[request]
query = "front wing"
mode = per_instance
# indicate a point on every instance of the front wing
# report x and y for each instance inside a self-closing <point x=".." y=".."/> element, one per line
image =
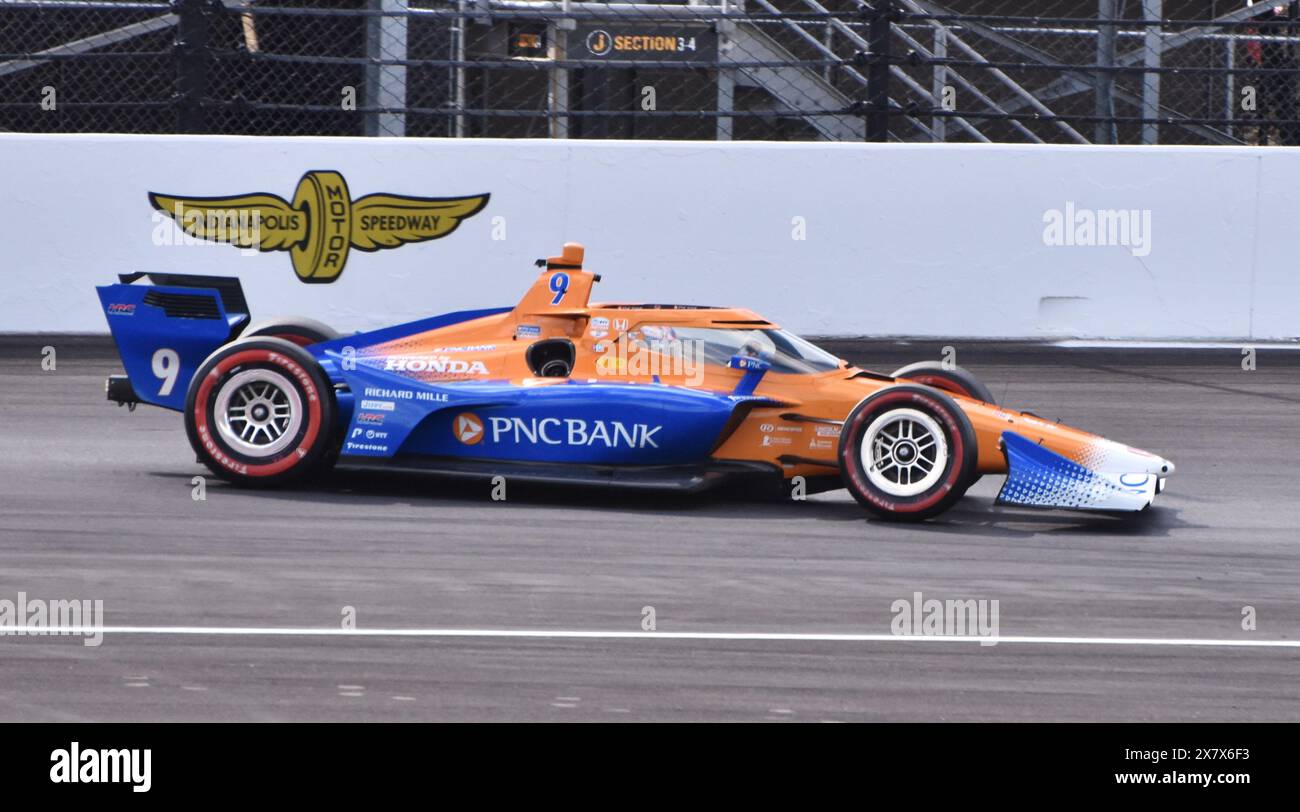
<point x="1039" y="477"/>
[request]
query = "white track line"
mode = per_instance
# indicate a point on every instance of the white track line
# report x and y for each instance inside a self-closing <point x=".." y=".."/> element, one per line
<point x="1103" y="344"/>
<point x="569" y="634"/>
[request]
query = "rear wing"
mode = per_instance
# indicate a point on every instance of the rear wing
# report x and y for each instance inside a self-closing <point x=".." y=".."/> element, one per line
<point x="164" y="326"/>
<point x="227" y="288"/>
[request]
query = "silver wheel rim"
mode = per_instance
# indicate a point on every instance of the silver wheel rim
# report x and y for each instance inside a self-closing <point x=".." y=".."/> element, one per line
<point x="904" y="452"/>
<point x="258" y="412"/>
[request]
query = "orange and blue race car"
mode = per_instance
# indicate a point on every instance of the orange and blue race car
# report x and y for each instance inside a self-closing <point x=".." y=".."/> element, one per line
<point x="558" y="389"/>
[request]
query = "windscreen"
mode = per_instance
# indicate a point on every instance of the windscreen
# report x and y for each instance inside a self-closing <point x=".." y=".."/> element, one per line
<point x="786" y="351"/>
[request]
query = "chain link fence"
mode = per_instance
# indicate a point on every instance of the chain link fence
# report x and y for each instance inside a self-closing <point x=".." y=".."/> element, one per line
<point x="1060" y="71"/>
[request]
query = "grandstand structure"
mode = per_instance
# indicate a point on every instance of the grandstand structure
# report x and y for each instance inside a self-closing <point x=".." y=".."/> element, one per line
<point x="1057" y="71"/>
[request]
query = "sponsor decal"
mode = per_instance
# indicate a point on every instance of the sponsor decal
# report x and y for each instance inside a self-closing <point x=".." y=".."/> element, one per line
<point x="769" y="440"/>
<point x="471" y="348"/>
<point x="437" y="364"/>
<point x="828" y="431"/>
<point x="468" y="428"/>
<point x="351" y="446"/>
<point x="370" y="418"/>
<point x="620" y="325"/>
<point x="528" y="331"/>
<point x="571" y="431"/>
<point x="558" y="431"/>
<point x="121" y="310"/>
<point x="599" y="327"/>
<point x="378" y="405"/>
<point x="321" y="225"/>
<point x="768" y="428"/>
<point x="401" y="394"/>
<point x="821" y="445"/>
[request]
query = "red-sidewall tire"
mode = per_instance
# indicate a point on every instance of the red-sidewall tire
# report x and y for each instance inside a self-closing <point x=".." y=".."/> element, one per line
<point x="956" y="468"/>
<point x="294" y="395"/>
<point x="952" y="379"/>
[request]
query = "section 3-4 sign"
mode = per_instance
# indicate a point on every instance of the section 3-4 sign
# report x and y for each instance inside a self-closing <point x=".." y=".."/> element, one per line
<point x="648" y="42"/>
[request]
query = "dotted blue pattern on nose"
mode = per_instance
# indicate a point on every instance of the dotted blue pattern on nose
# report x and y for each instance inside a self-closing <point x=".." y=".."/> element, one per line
<point x="1039" y="477"/>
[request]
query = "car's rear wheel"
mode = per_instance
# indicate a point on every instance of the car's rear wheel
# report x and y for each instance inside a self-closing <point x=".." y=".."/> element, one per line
<point x="260" y="412"/>
<point x="304" y="332"/>
<point x="907" y="453"/>
<point x="300" y="331"/>
<point x="952" y="379"/>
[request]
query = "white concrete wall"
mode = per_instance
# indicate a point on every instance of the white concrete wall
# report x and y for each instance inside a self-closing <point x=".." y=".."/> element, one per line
<point x="901" y="240"/>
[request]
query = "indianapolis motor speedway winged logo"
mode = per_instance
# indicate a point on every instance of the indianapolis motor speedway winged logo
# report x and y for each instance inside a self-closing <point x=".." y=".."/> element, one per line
<point x="322" y="224"/>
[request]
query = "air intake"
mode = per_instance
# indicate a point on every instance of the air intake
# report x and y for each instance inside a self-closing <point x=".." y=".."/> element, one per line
<point x="184" y="305"/>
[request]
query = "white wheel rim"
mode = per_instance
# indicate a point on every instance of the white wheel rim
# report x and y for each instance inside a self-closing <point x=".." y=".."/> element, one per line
<point x="258" y="412"/>
<point x="904" y="452"/>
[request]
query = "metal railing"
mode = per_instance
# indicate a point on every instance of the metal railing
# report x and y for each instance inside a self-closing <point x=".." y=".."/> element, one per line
<point x="1070" y="71"/>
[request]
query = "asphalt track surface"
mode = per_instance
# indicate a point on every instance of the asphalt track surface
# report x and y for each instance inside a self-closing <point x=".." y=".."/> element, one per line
<point x="95" y="502"/>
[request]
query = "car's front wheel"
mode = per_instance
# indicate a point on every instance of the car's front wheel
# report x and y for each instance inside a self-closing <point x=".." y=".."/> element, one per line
<point x="907" y="453"/>
<point x="949" y="378"/>
<point x="260" y="412"/>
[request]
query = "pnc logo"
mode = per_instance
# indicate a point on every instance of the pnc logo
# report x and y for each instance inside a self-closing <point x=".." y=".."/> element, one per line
<point x="322" y="224"/>
<point x="574" y="431"/>
<point x="468" y="428"/>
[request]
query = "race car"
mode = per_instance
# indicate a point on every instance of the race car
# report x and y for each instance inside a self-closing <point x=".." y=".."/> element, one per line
<point x="557" y="389"/>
